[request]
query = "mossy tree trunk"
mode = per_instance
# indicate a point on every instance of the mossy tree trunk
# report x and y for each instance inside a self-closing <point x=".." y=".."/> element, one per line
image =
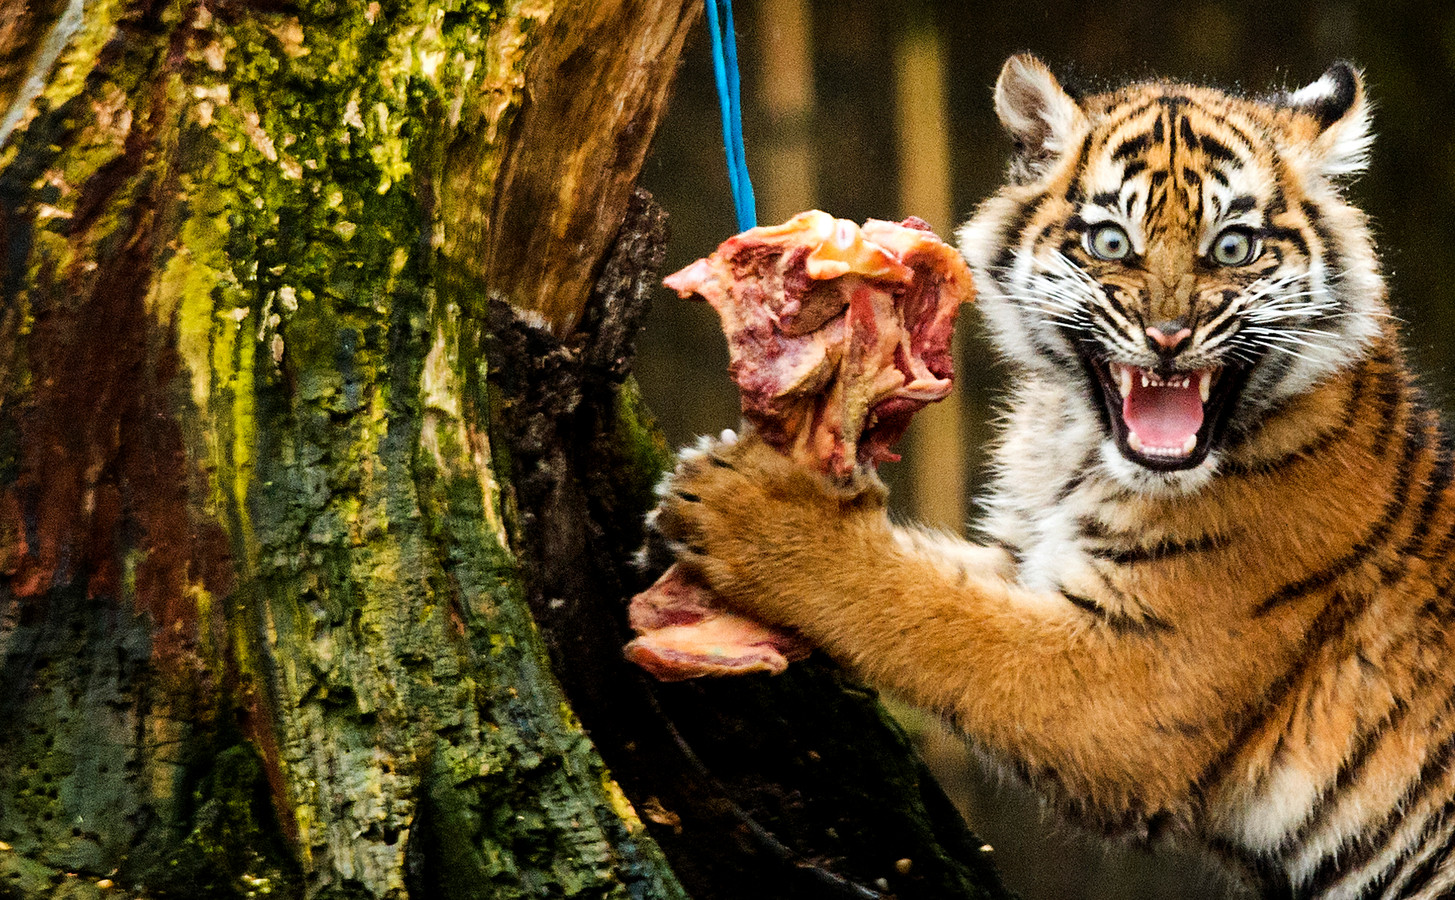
<point x="320" y="468"/>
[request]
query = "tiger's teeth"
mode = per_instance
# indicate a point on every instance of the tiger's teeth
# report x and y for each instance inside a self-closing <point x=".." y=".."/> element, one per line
<point x="1134" y="441"/>
<point x="1124" y="380"/>
<point x="1204" y="384"/>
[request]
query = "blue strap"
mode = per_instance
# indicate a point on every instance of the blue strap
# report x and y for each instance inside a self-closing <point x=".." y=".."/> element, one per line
<point x="725" y="67"/>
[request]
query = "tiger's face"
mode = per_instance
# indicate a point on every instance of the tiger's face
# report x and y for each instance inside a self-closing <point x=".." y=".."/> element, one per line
<point x="1182" y="256"/>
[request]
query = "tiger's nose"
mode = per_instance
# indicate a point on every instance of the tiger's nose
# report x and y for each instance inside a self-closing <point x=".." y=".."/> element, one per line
<point x="1168" y="338"/>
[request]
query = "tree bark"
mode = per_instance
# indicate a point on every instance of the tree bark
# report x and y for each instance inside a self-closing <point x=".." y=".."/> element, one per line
<point x="320" y="471"/>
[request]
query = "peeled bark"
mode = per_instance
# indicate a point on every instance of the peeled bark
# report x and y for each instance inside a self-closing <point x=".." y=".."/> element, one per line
<point x="319" y="469"/>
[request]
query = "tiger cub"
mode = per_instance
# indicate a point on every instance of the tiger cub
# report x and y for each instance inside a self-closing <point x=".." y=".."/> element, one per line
<point x="1215" y="596"/>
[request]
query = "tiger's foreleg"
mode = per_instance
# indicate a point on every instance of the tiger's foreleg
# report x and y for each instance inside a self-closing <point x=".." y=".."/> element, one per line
<point x="1118" y="718"/>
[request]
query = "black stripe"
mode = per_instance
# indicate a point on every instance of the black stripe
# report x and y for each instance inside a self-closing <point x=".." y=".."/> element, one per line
<point x="1318" y="444"/>
<point x="1375" y="539"/>
<point x="1330" y="624"/>
<point x="1093" y="528"/>
<point x="1277" y="202"/>
<point x="1442" y="551"/>
<point x="1424" y="873"/>
<point x="1130" y="147"/>
<point x="1133" y="168"/>
<point x="1241" y="204"/>
<point x="1221" y="328"/>
<point x="1130" y="113"/>
<point x="1371" y="890"/>
<point x="1347" y="859"/>
<point x="1194" y="186"/>
<point x="1391" y="391"/>
<point x="1436" y="605"/>
<point x="1349" y="771"/>
<point x="1332" y="254"/>
<point x="1189" y="136"/>
<point x="1069" y="361"/>
<point x="1133" y="552"/>
<point x="1217" y="151"/>
<point x="1431" y="491"/>
<point x="1109" y="291"/>
<point x="1242" y="136"/>
<point x="1374" y="888"/>
<point x="1266" y="877"/>
<point x="1225" y="298"/>
<point x="1444" y="460"/>
<point x="1119" y="622"/>
<point x="1280" y="233"/>
<point x="1010" y="234"/>
<point x="1074" y="192"/>
<point x="1369" y="739"/>
<point x="1016" y="552"/>
<point x="1086" y="604"/>
<point x="1435" y="492"/>
<point x="1078" y="477"/>
<point x="1072" y="223"/>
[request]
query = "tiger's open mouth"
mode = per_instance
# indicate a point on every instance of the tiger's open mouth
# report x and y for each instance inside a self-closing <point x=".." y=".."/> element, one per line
<point x="1166" y="421"/>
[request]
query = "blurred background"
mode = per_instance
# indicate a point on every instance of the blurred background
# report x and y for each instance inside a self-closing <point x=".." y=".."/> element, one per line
<point x="872" y="108"/>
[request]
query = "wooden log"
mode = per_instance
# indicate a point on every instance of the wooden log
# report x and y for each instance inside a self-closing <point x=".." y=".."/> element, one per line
<point x="315" y="326"/>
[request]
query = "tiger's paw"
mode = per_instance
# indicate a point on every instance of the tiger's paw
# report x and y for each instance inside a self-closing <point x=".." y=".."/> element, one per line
<point x="749" y="522"/>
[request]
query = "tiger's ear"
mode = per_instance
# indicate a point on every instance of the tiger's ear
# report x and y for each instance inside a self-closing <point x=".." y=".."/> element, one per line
<point x="1040" y="116"/>
<point x="1336" y="123"/>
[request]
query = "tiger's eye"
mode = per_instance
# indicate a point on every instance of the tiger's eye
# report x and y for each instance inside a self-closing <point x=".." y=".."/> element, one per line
<point x="1234" y="247"/>
<point x="1109" y="242"/>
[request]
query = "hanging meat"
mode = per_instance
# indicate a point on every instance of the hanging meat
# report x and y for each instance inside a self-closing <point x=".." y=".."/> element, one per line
<point x="837" y="334"/>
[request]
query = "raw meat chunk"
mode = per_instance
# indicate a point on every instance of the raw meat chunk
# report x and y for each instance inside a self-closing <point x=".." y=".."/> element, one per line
<point x="836" y="334"/>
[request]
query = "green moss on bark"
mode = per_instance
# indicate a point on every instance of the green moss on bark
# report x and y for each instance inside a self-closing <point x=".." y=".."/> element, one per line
<point x="255" y="197"/>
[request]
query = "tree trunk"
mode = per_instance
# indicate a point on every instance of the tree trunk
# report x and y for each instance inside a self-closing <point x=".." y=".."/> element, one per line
<point x="321" y="469"/>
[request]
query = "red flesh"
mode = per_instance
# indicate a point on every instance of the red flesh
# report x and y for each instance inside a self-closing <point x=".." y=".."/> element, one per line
<point x="836" y="336"/>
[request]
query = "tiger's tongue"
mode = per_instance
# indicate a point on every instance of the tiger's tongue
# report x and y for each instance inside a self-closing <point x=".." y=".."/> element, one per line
<point x="1162" y="415"/>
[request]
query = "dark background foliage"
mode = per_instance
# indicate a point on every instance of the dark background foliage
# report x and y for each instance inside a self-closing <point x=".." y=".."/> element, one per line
<point x="846" y="130"/>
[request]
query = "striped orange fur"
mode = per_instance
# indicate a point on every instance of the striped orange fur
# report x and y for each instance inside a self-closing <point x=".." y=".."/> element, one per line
<point x="1238" y="637"/>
